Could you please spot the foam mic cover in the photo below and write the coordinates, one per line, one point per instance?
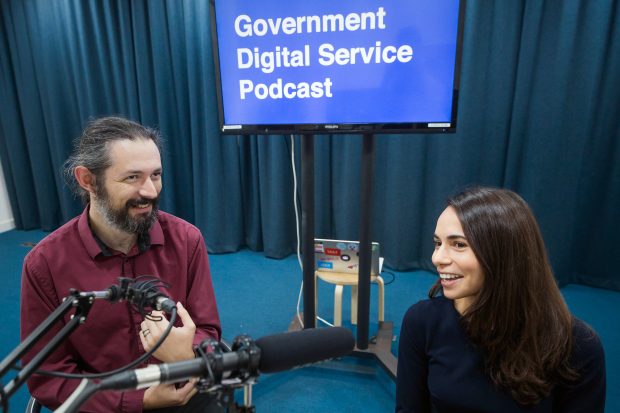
(284, 351)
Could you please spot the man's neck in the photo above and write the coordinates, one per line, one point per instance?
(114, 238)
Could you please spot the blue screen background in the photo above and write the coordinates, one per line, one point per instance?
(416, 91)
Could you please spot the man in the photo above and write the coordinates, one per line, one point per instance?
(116, 168)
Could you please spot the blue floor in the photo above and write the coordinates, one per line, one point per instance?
(258, 296)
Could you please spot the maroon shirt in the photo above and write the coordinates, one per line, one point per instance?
(71, 257)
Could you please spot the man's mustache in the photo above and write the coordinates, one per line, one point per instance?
(142, 201)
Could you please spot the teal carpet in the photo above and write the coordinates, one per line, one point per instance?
(258, 296)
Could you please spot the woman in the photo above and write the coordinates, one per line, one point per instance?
(500, 337)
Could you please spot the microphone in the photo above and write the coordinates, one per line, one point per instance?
(271, 354)
(143, 292)
(278, 352)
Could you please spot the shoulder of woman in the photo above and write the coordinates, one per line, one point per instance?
(582, 332)
(428, 309)
(587, 346)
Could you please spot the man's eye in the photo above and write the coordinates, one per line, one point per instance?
(156, 175)
(131, 178)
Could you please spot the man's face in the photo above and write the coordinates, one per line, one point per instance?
(129, 194)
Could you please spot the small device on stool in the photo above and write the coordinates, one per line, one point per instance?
(337, 262)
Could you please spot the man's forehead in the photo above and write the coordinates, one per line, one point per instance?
(136, 155)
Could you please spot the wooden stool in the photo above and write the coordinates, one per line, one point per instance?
(341, 279)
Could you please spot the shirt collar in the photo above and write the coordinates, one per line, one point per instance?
(95, 246)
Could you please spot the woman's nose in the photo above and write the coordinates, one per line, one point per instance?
(440, 256)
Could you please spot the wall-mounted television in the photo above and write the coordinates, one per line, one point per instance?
(337, 66)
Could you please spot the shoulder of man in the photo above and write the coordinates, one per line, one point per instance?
(177, 226)
(63, 237)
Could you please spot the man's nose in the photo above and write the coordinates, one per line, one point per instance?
(148, 189)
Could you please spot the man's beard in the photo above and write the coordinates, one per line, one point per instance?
(119, 218)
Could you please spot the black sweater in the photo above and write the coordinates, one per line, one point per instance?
(440, 370)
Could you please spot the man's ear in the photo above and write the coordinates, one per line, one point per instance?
(85, 178)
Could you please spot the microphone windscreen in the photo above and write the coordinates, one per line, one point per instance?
(284, 351)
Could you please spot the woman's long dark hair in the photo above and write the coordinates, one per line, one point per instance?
(519, 320)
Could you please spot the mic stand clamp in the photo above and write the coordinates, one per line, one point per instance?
(245, 376)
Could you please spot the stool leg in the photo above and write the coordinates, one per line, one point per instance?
(381, 297)
(354, 304)
(338, 305)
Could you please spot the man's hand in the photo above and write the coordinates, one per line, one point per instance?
(179, 343)
(166, 395)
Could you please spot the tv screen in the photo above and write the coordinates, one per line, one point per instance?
(325, 66)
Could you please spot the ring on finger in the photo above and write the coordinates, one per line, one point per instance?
(146, 332)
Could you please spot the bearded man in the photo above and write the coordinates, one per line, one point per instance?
(116, 169)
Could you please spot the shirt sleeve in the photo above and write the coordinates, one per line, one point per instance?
(412, 372)
(587, 393)
(201, 303)
(38, 301)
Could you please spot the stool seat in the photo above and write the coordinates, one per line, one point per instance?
(341, 279)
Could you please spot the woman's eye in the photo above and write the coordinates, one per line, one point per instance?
(437, 243)
(459, 244)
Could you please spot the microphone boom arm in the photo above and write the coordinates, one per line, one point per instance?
(82, 303)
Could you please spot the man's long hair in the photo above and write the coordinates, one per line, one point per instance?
(91, 149)
(519, 320)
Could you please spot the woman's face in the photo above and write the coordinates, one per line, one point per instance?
(459, 269)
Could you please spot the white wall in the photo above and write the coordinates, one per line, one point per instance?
(6, 215)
